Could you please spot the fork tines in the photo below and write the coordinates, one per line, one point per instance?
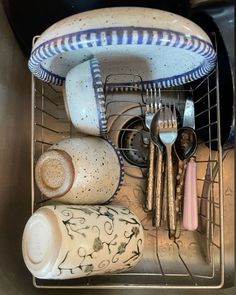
(167, 117)
(152, 98)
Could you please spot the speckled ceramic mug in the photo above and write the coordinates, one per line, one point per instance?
(84, 98)
(82, 170)
(65, 242)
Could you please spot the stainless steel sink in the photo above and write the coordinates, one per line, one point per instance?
(15, 207)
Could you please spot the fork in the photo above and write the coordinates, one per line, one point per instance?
(151, 108)
(167, 123)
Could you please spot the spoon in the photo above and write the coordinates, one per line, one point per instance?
(186, 143)
(185, 147)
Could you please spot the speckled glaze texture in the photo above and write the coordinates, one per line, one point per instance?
(98, 171)
(92, 240)
(163, 48)
(84, 98)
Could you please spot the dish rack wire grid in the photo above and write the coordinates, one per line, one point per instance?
(199, 264)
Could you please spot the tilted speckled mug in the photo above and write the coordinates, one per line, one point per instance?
(81, 170)
(84, 98)
(65, 241)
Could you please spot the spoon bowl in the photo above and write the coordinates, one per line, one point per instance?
(186, 143)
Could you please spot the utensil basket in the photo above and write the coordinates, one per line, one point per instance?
(196, 259)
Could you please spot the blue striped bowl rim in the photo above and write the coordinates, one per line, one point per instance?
(122, 170)
(125, 36)
(99, 95)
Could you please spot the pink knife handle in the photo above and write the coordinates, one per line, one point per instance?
(190, 211)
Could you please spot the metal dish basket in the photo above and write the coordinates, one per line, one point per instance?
(196, 259)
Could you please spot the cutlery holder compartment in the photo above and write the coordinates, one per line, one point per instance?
(196, 259)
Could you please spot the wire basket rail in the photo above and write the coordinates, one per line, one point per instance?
(195, 259)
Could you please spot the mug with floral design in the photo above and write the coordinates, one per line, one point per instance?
(72, 241)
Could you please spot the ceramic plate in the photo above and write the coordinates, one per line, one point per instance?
(163, 48)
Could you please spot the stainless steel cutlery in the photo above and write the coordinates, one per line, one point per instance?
(164, 195)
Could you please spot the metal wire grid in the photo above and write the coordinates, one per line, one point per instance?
(210, 213)
(50, 124)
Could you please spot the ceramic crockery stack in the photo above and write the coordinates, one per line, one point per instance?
(165, 49)
(65, 242)
(84, 98)
(82, 170)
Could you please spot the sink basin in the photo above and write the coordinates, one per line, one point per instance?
(15, 207)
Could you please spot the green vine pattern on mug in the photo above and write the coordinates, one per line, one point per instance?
(75, 226)
(69, 224)
(86, 268)
(122, 247)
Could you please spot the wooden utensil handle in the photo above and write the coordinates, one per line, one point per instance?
(180, 184)
(158, 188)
(165, 194)
(150, 179)
(171, 194)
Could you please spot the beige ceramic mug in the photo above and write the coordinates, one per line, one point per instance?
(72, 241)
(83, 170)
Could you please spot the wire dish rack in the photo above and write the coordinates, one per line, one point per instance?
(195, 259)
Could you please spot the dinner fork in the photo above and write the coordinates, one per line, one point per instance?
(167, 122)
(151, 108)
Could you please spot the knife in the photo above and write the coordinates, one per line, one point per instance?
(190, 211)
(186, 174)
(189, 113)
